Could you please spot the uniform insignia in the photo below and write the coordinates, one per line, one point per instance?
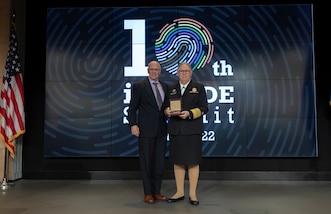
(173, 92)
(194, 91)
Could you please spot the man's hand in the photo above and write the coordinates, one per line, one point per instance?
(135, 130)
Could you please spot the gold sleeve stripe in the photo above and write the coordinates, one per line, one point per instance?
(196, 113)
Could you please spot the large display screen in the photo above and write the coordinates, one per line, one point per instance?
(256, 62)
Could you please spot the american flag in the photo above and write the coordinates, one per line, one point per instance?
(12, 97)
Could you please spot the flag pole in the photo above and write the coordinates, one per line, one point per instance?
(4, 184)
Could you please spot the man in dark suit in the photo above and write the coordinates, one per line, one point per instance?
(185, 131)
(148, 123)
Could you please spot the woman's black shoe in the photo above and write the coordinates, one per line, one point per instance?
(193, 202)
(170, 200)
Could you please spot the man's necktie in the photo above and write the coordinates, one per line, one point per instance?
(158, 95)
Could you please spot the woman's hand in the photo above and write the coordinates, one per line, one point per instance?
(184, 114)
(167, 112)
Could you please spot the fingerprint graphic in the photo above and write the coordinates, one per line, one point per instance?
(185, 40)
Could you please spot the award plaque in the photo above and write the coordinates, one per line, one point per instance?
(176, 106)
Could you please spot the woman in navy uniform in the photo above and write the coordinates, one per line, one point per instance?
(185, 130)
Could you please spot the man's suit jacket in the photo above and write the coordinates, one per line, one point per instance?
(193, 97)
(144, 111)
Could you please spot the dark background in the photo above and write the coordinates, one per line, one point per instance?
(36, 166)
(269, 49)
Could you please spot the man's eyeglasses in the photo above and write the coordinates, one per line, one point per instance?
(154, 69)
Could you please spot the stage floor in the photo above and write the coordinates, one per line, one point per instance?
(126, 196)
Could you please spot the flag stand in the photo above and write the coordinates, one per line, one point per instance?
(4, 184)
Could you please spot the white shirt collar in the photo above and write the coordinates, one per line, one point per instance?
(153, 81)
(181, 85)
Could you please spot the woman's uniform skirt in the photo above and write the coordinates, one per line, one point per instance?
(185, 149)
